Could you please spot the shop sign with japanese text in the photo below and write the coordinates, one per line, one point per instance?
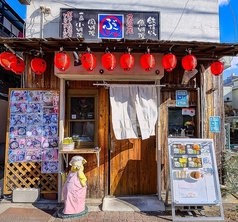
(182, 98)
(102, 24)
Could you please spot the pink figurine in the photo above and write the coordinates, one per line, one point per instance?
(75, 187)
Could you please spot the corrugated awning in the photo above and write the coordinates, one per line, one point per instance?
(205, 50)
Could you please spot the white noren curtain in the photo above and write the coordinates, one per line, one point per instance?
(133, 105)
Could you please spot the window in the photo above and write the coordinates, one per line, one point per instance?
(82, 117)
(181, 121)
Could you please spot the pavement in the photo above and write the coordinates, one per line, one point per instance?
(47, 210)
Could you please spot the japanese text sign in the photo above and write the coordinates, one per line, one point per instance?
(94, 25)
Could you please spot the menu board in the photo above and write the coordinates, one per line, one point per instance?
(33, 128)
(193, 172)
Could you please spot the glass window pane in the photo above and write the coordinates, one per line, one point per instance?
(177, 122)
(82, 108)
(84, 131)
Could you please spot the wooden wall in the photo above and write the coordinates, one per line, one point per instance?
(205, 92)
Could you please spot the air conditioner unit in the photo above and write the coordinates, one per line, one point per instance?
(25, 2)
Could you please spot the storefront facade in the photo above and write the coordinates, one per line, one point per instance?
(125, 165)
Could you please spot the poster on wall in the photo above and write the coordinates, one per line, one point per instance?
(215, 124)
(33, 128)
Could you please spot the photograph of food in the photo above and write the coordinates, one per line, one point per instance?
(195, 175)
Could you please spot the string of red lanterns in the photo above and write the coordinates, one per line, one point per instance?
(10, 61)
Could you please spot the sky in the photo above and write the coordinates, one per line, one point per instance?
(18, 7)
(228, 11)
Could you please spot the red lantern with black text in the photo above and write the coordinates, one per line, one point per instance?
(38, 65)
(8, 60)
(127, 61)
(62, 61)
(189, 62)
(89, 61)
(217, 68)
(20, 67)
(109, 61)
(147, 61)
(169, 62)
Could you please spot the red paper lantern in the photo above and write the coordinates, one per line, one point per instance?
(189, 62)
(8, 60)
(169, 62)
(20, 67)
(38, 65)
(147, 61)
(62, 61)
(109, 61)
(89, 61)
(127, 61)
(217, 68)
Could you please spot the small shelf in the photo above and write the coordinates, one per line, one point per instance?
(65, 154)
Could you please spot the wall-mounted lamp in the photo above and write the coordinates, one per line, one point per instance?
(77, 58)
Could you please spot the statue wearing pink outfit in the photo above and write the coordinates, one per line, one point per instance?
(75, 187)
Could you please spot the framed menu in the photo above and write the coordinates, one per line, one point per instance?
(193, 172)
(33, 128)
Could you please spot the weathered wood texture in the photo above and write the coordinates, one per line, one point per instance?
(129, 166)
(206, 94)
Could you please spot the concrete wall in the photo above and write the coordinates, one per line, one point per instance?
(179, 19)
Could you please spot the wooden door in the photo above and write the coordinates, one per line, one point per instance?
(133, 167)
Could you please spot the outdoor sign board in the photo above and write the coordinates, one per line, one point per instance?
(193, 173)
(104, 24)
(33, 128)
(182, 98)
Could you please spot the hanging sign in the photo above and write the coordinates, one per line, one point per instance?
(215, 124)
(182, 98)
(105, 24)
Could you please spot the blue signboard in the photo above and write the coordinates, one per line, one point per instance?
(215, 124)
(182, 98)
(110, 26)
